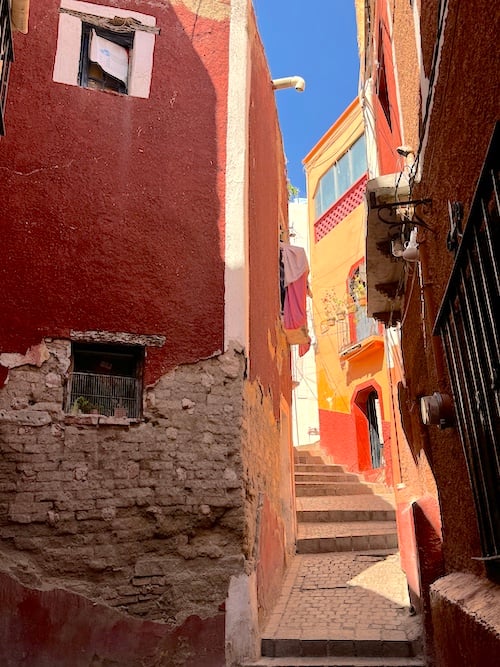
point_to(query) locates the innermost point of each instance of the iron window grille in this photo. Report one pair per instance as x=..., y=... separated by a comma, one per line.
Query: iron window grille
x=6, y=58
x=468, y=322
x=106, y=379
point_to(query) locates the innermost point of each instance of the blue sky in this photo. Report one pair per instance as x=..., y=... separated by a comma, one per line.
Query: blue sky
x=315, y=39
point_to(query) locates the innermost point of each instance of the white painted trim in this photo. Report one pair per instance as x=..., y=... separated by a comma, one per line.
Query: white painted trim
x=366, y=100
x=236, y=298
x=69, y=39
x=242, y=623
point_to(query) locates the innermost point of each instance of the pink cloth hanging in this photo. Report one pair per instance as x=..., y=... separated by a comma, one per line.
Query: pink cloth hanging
x=295, y=314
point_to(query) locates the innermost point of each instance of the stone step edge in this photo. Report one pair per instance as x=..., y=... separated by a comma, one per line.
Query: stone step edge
x=311, y=490
x=375, y=527
x=344, y=516
x=336, y=661
x=334, y=648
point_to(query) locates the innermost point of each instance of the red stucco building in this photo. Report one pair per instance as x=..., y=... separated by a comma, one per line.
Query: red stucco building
x=430, y=97
x=146, y=493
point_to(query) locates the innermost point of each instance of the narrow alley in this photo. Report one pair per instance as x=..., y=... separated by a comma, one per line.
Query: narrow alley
x=345, y=599
x=249, y=403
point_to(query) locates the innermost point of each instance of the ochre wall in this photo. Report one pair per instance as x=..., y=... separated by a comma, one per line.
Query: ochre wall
x=343, y=425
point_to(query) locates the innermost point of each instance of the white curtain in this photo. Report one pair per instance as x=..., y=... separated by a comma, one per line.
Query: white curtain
x=112, y=57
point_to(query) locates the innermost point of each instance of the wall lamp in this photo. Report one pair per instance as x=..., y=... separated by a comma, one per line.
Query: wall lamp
x=407, y=250
x=437, y=409
x=296, y=82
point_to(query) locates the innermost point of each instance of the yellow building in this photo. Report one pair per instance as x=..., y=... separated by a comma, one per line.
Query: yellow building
x=353, y=393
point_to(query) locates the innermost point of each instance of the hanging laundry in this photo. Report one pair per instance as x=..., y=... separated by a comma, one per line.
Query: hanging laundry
x=296, y=271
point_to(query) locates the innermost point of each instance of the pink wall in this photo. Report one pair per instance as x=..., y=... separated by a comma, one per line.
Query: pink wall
x=114, y=214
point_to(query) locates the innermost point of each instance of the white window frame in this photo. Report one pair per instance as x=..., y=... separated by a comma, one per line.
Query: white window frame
x=67, y=61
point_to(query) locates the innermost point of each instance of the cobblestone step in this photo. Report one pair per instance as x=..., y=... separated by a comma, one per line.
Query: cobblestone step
x=333, y=515
x=309, y=459
x=345, y=508
x=359, y=648
x=346, y=536
x=319, y=467
x=336, y=662
x=344, y=601
x=325, y=477
x=337, y=489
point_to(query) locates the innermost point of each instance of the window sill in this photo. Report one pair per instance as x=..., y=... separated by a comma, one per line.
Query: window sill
x=99, y=420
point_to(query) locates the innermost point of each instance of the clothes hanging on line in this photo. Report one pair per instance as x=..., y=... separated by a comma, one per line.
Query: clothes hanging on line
x=296, y=271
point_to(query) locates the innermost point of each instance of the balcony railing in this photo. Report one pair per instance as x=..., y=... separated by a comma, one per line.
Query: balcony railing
x=469, y=324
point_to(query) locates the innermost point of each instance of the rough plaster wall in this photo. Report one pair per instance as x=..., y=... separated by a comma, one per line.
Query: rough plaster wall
x=262, y=474
x=147, y=517
x=450, y=169
x=466, y=618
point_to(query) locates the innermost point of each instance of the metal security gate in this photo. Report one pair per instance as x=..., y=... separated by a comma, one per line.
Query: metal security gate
x=469, y=324
x=373, y=430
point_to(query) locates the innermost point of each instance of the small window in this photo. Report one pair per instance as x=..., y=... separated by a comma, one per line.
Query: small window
x=106, y=379
x=105, y=48
x=104, y=59
x=382, y=88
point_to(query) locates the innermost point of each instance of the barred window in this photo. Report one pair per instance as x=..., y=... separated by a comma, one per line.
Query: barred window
x=106, y=380
x=469, y=325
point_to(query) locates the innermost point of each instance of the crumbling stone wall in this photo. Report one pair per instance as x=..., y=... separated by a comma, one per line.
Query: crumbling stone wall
x=268, y=488
x=146, y=517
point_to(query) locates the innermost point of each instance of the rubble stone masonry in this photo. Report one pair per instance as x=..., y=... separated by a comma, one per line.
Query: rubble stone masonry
x=147, y=517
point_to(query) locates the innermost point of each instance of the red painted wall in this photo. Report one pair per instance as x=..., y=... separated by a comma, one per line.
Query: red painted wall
x=388, y=137
x=113, y=205
x=57, y=628
x=271, y=563
x=267, y=177
x=345, y=437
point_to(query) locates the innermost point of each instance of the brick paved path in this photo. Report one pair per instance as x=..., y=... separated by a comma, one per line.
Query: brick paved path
x=344, y=600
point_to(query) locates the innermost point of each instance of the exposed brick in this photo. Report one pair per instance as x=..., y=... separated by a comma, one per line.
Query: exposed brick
x=125, y=523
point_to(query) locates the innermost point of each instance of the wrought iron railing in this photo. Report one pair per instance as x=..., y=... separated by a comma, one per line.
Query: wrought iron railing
x=6, y=57
x=469, y=324
x=109, y=395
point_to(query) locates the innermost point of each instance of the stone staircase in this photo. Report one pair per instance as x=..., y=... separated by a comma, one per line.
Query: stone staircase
x=336, y=511
x=344, y=601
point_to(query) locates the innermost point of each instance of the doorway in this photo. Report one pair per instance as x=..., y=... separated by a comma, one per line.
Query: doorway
x=372, y=415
